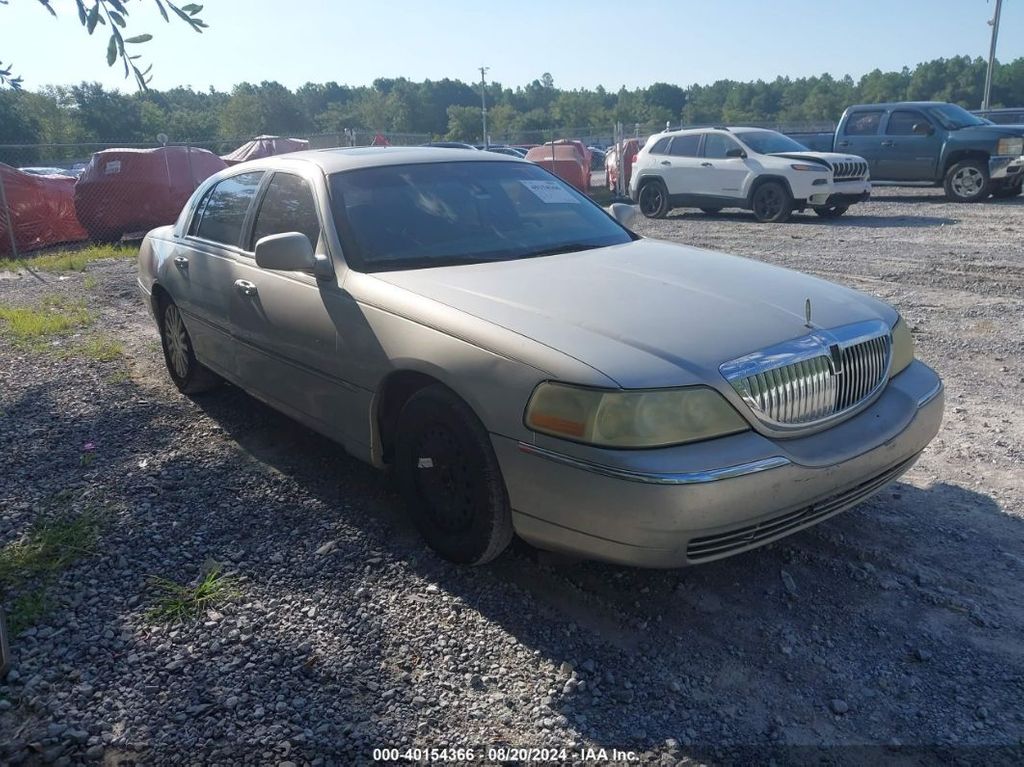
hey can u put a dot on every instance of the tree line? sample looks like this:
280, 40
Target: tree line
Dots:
450, 109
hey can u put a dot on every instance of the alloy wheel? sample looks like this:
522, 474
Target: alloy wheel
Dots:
176, 340
768, 202
968, 182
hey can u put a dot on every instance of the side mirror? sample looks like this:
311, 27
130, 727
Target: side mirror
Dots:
923, 129
623, 213
287, 252
737, 152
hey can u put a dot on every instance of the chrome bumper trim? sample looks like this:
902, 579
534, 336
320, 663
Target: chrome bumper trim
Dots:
1002, 166
658, 478
929, 396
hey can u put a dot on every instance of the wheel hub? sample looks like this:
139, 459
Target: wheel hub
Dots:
176, 341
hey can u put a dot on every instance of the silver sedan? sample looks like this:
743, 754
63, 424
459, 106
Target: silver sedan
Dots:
530, 366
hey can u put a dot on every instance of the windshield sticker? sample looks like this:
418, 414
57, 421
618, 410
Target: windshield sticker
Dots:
550, 191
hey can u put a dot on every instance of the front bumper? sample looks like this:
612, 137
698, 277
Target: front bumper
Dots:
842, 193
1005, 167
696, 503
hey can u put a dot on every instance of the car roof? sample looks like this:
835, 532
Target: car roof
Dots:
892, 104
349, 158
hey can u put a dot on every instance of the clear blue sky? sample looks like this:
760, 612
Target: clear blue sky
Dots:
678, 41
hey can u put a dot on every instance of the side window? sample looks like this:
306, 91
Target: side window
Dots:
197, 214
661, 147
716, 145
288, 206
226, 206
685, 146
863, 123
902, 122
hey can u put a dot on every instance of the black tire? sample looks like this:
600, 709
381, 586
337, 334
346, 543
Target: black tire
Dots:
831, 211
449, 478
653, 199
1008, 190
188, 374
711, 211
771, 203
967, 181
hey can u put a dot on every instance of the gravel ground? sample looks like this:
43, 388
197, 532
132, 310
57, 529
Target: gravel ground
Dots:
894, 632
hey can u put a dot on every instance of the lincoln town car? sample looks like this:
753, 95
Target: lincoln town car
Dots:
526, 364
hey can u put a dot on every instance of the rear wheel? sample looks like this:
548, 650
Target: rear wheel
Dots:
653, 199
967, 181
188, 374
771, 203
711, 211
450, 479
831, 211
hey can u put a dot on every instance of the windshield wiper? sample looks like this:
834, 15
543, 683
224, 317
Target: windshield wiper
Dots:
569, 247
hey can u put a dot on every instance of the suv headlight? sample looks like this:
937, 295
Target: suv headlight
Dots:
902, 347
631, 419
1010, 146
810, 167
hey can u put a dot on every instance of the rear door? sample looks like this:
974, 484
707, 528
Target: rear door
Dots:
681, 166
909, 151
201, 273
285, 321
861, 135
722, 177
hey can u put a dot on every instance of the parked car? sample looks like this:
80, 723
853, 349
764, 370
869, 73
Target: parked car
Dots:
41, 210
1002, 115
564, 161
49, 171
507, 150
931, 142
597, 157
629, 150
751, 168
581, 151
527, 364
264, 146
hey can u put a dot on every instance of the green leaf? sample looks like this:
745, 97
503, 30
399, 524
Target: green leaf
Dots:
111, 51
163, 11
118, 19
94, 16
118, 6
191, 9
82, 15
139, 39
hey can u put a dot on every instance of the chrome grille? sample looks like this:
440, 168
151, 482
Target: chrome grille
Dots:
849, 170
816, 377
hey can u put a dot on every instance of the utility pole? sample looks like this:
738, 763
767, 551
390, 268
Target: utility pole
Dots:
994, 23
483, 101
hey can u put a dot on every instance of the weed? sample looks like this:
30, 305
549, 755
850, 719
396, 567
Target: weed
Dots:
101, 349
33, 326
67, 260
89, 282
119, 377
26, 610
176, 602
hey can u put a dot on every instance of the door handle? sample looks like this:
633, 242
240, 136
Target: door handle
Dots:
181, 262
706, 165
245, 287
843, 143
888, 143
665, 162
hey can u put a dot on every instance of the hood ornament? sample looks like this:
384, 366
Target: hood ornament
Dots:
807, 313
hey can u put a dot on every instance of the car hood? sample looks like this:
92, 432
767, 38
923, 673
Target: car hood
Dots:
647, 313
826, 157
987, 131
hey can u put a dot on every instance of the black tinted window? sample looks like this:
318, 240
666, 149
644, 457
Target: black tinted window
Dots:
716, 146
685, 146
661, 147
197, 215
902, 122
225, 209
863, 123
288, 206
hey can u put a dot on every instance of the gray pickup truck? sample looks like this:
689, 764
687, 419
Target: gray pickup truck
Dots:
931, 142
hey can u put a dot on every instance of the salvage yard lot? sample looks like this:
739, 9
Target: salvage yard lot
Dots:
324, 628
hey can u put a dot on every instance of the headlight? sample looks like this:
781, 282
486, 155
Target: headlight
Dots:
902, 347
652, 418
802, 166
1010, 146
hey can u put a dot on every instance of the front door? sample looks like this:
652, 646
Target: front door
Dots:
910, 148
285, 322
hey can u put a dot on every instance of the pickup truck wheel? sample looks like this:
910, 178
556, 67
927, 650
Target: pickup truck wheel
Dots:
771, 203
967, 181
1008, 190
831, 211
653, 199
188, 374
449, 478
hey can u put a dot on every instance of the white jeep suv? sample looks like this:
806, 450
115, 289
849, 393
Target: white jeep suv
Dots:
751, 168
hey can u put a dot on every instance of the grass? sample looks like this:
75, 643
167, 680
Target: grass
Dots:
29, 566
178, 603
72, 260
101, 349
119, 377
35, 326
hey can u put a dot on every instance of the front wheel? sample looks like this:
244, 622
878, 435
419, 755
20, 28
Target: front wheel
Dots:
449, 478
771, 203
967, 181
653, 199
831, 211
188, 374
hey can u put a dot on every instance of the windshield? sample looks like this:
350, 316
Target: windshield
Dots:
768, 141
951, 117
439, 214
